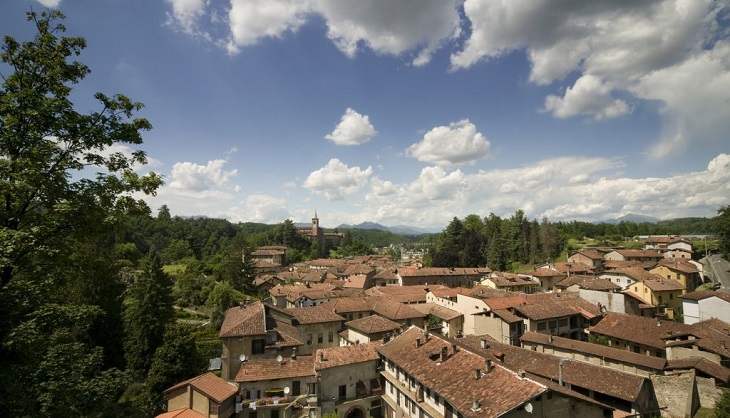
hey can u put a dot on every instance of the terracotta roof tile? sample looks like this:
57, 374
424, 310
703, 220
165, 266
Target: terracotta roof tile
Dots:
706, 367
313, 315
327, 358
646, 331
372, 324
662, 285
269, 369
498, 391
244, 320
436, 310
612, 382
182, 413
210, 385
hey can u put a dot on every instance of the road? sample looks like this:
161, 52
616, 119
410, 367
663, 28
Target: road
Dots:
718, 269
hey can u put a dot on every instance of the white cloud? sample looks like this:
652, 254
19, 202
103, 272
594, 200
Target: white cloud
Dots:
390, 27
51, 4
648, 49
259, 208
336, 180
186, 14
458, 143
353, 129
588, 96
252, 20
196, 178
562, 189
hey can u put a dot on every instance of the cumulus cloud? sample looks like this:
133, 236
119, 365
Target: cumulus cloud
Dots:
336, 180
565, 188
458, 143
259, 208
646, 49
186, 14
51, 4
353, 129
196, 178
252, 20
589, 95
390, 27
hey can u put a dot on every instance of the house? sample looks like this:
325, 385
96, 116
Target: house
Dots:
547, 277
367, 329
427, 375
670, 246
666, 339
282, 387
589, 258
265, 282
441, 320
403, 294
317, 326
625, 277
308, 294
446, 276
578, 282
705, 304
360, 307
682, 271
249, 331
634, 255
273, 254
563, 314
662, 293
628, 394
206, 395
349, 384
511, 282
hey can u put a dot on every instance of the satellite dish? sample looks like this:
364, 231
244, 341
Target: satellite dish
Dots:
242, 357
279, 359
528, 408
286, 390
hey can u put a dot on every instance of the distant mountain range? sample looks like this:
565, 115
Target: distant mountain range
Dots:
632, 217
397, 229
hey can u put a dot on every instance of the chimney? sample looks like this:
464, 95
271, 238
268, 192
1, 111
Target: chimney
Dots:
485, 344
294, 353
550, 339
418, 342
321, 356
444, 353
425, 333
489, 365
477, 373
475, 406
453, 349
521, 373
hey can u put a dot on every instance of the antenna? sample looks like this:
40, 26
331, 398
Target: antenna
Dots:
279, 359
286, 390
528, 408
242, 357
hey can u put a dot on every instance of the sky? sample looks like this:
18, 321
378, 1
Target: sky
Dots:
412, 112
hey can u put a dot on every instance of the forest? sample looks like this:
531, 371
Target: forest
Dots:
92, 282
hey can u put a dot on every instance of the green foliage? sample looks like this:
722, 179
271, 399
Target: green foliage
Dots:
722, 407
177, 359
147, 312
721, 226
598, 339
222, 297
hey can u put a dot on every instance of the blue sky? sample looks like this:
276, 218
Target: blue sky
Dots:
415, 111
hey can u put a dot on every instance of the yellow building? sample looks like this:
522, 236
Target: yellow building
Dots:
662, 293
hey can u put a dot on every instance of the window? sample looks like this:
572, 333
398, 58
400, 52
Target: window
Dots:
309, 339
343, 392
671, 296
320, 338
331, 336
541, 326
257, 346
274, 413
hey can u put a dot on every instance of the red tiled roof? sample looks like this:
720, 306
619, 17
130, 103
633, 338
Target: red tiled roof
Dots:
327, 358
679, 265
638, 329
210, 385
269, 369
182, 413
555, 305
702, 365
662, 285
498, 391
436, 310
372, 324
313, 315
612, 382
244, 320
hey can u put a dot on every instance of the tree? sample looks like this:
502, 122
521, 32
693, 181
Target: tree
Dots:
147, 311
43, 140
722, 406
62, 191
177, 359
721, 225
